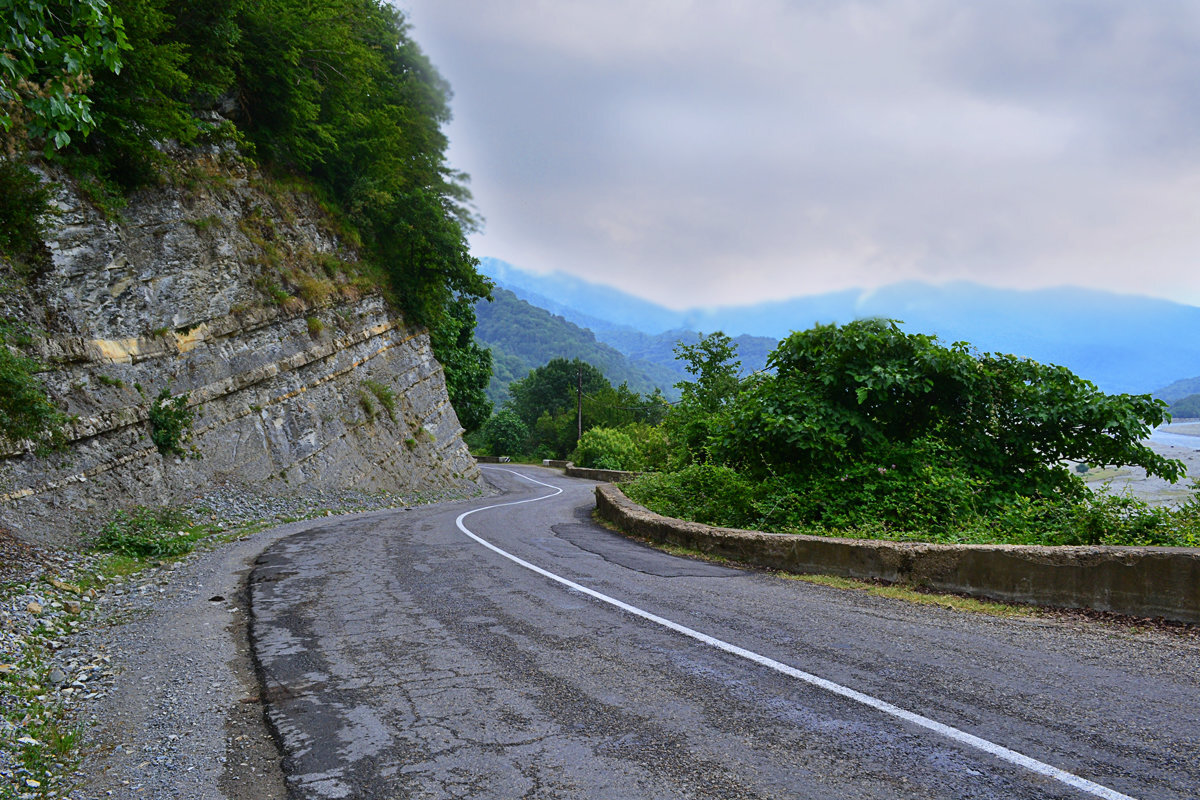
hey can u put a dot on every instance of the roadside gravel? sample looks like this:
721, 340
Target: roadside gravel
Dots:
154, 671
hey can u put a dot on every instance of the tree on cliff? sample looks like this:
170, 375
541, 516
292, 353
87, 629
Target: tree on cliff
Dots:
336, 92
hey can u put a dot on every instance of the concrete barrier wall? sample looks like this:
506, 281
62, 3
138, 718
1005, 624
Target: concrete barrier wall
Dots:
492, 459
1139, 581
607, 475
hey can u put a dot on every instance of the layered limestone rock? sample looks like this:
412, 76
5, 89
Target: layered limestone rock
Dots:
235, 294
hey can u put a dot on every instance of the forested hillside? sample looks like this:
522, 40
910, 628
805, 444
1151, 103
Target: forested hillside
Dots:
1179, 390
332, 98
522, 337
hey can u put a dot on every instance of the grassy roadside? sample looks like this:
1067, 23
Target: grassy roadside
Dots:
41, 684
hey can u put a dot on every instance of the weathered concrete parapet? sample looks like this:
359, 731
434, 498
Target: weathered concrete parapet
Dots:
1140, 581
609, 475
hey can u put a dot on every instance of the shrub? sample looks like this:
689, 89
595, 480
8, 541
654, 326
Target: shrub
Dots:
504, 433
385, 396
144, 533
171, 424
608, 448
706, 493
24, 202
26, 410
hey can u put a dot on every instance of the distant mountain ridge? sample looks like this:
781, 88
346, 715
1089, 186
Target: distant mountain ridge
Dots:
522, 336
1123, 343
1179, 389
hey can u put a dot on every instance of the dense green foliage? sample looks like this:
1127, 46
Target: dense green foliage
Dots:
334, 92
546, 404
145, 532
869, 392
864, 430
522, 336
171, 421
23, 200
504, 433
468, 365
26, 412
714, 366
48, 52
635, 446
719, 495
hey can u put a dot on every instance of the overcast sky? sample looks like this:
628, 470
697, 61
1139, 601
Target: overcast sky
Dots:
698, 152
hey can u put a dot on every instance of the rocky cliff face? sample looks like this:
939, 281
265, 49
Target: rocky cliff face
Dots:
239, 295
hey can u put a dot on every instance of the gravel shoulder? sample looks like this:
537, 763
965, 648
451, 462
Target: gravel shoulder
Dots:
155, 671
182, 719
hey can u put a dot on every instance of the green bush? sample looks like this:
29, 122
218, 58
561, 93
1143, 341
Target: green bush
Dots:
706, 493
171, 423
869, 432
504, 434
26, 410
24, 202
385, 396
717, 495
144, 533
607, 448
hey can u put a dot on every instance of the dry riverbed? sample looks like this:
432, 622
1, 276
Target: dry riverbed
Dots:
1156, 491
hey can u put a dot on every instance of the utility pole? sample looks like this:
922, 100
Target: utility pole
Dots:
579, 403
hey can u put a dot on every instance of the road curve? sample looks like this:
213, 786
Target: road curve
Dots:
401, 657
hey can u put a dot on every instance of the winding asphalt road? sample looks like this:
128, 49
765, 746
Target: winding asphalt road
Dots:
474, 650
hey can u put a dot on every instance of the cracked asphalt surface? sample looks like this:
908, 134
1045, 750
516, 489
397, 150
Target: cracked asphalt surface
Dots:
400, 659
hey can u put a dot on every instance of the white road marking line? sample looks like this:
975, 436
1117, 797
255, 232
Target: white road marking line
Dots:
960, 736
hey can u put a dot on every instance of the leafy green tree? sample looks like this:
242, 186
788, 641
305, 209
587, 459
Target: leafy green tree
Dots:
49, 54
714, 363
468, 366
504, 433
147, 101
842, 395
552, 388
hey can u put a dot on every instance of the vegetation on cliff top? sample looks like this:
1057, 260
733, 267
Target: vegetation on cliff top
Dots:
335, 92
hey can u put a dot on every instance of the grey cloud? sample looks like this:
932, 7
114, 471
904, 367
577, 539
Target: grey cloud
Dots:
702, 152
